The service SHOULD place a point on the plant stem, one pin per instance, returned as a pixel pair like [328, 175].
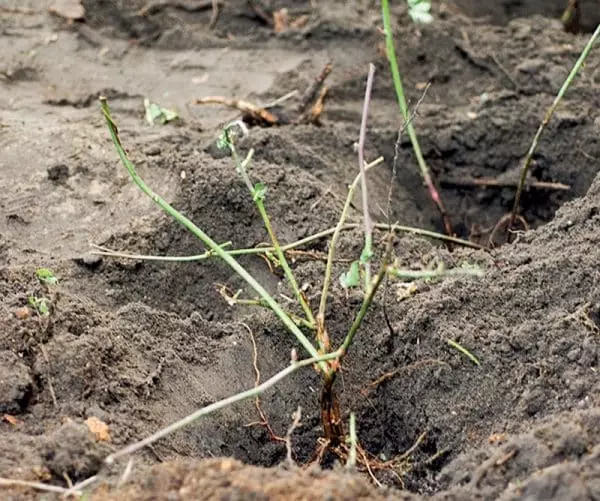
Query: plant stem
[299, 321]
[425, 173]
[351, 464]
[104, 251]
[426, 274]
[191, 418]
[210, 243]
[464, 351]
[334, 239]
[242, 169]
[529, 157]
[368, 249]
[366, 304]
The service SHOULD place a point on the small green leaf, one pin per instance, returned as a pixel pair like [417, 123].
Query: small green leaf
[366, 255]
[40, 304]
[419, 11]
[46, 276]
[260, 190]
[351, 278]
[156, 114]
[223, 141]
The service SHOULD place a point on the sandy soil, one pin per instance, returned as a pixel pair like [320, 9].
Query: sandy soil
[139, 344]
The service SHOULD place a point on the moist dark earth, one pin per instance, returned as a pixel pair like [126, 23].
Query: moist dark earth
[137, 344]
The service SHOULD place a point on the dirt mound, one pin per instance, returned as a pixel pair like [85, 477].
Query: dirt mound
[138, 344]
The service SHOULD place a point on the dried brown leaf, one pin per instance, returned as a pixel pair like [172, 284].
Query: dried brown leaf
[98, 428]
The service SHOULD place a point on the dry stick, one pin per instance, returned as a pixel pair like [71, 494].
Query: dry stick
[257, 112]
[368, 250]
[7, 482]
[425, 173]
[77, 488]
[496, 183]
[547, 118]
[226, 402]
[332, 245]
[214, 17]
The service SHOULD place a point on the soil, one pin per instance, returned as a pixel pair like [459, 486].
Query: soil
[139, 344]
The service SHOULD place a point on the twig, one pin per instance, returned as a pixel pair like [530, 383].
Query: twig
[412, 449]
[214, 17]
[50, 385]
[128, 469]
[313, 89]
[260, 13]
[17, 10]
[206, 240]
[76, 490]
[257, 113]
[497, 183]
[549, 113]
[425, 173]
[390, 375]
[368, 249]
[316, 109]
[294, 366]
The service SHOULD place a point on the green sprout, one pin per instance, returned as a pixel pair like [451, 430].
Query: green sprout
[46, 276]
[420, 11]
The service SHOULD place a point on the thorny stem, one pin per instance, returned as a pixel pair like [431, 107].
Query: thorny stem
[191, 418]
[425, 173]
[529, 157]
[209, 242]
[241, 168]
[368, 249]
[332, 245]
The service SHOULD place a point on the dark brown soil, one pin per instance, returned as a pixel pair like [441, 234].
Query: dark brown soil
[139, 344]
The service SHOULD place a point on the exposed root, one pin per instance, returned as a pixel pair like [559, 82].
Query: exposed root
[503, 233]
[264, 422]
[390, 375]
